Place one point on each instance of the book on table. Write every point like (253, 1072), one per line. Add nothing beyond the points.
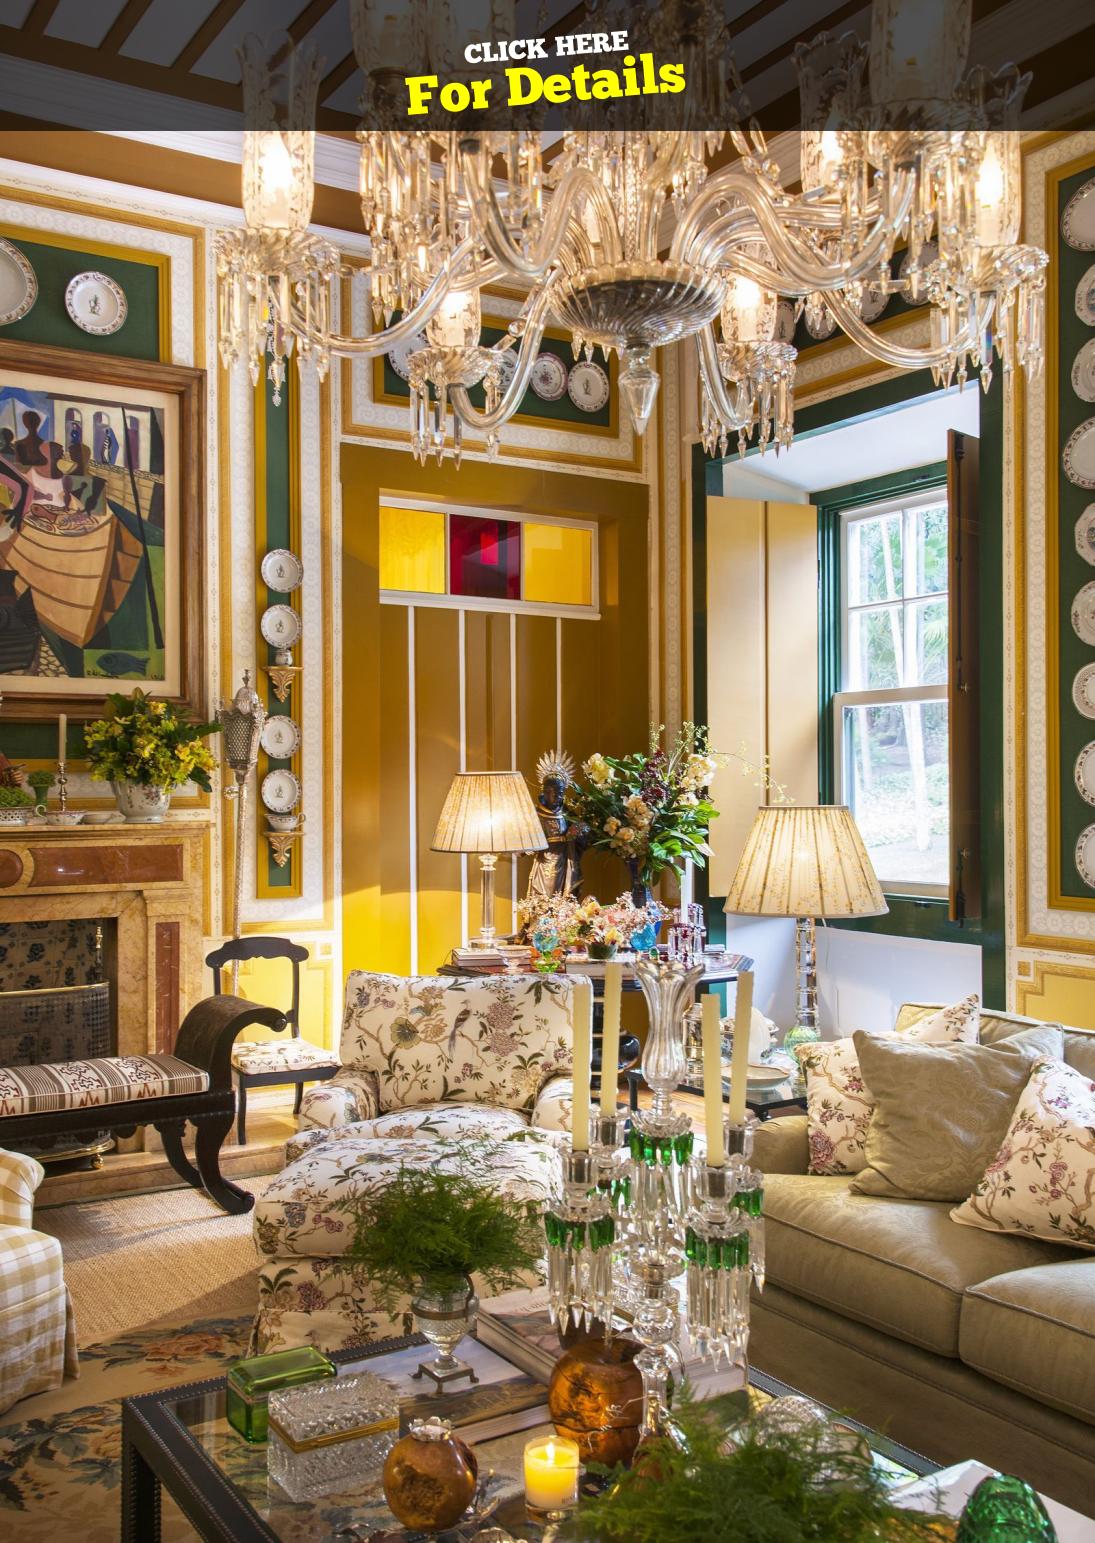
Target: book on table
(482, 1412)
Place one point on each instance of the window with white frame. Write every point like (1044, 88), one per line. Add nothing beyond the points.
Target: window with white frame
(890, 728)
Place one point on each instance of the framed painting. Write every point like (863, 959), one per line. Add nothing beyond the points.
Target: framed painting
(101, 530)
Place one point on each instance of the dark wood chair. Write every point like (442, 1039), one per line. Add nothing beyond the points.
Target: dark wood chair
(272, 1063)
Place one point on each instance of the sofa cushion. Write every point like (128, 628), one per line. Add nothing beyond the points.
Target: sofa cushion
(995, 1026)
(431, 1122)
(1034, 1330)
(303, 1210)
(901, 1266)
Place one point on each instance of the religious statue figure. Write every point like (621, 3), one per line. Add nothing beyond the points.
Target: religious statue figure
(558, 871)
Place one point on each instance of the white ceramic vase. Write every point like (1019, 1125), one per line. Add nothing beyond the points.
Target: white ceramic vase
(141, 805)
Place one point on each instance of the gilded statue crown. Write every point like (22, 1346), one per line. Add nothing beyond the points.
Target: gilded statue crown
(556, 766)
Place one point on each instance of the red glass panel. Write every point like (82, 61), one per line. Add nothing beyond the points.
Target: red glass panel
(484, 557)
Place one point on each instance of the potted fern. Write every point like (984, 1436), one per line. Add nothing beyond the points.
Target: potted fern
(15, 800)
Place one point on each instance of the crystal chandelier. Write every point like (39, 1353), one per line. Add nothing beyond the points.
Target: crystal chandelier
(628, 239)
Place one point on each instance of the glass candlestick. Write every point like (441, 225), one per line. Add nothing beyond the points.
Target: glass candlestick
(748, 1196)
(717, 1247)
(580, 1232)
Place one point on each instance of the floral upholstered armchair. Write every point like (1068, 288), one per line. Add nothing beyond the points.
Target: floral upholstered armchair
(479, 1057)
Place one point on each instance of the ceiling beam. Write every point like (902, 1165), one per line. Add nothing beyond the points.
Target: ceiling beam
(199, 41)
(41, 14)
(123, 24)
(337, 77)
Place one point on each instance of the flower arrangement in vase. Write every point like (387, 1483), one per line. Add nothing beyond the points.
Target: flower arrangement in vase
(145, 748)
(563, 922)
(652, 808)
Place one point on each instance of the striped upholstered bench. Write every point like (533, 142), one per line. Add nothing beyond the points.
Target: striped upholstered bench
(119, 1093)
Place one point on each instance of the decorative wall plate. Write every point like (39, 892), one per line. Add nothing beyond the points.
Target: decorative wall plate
(18, 284)
(1085, 855)
(549, 377)
(587, 386)
(280, 791)
(785, 322)
(1078, 220)
(281, 570)
(875, 302)
(398, 356)
(507, 368)
(823, 328)
(280, 736)
(1084, 772)
(929, 253)
(1085, 535)
(1083, 372)
(1083, 614)
(1085, 297)
(1078, 456)
(96, 304)
(280, 626)
(1083, 691)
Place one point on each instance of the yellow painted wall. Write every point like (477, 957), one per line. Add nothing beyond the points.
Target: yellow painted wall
(403, 684)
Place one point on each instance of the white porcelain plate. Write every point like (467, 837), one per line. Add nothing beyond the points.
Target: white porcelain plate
(1085, 535)
(549, 377)
(96, 304)
(1083, 614)
(1084, 772)
(929, 253)
(1085, 297)
(280, 736)
(1078, 456)
(1085, 855)
(280, 791)
(823, 328)
(875, 302)
(18, 285)
(1083, 372)
(1078, 220)
(507, 368)
(281, 570)
(280, 626)
(587, 386)
(1083, 691)
(785, 322)
(760, 1076)
(399, 355)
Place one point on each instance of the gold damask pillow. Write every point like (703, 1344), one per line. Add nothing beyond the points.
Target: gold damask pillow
(941, 1111)
(838, 1103)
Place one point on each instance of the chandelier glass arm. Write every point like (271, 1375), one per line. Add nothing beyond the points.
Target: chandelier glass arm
(491, 225)
(733, 412)
(485, 422)
(880, 348)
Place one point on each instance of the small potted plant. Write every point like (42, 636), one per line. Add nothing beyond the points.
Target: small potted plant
(426, 1232)
(146, 748)
(16, 801)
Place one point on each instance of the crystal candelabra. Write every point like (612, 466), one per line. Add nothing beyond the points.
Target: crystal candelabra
(642, 1216)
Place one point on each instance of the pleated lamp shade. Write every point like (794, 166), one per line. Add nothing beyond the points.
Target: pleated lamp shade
(489, 812)
(805, 861)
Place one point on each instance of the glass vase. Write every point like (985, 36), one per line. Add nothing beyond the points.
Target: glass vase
(1004, 1509)
(668, 986)
(445, 1311)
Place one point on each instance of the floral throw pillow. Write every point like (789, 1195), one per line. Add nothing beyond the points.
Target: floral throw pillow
(1042, 1180)
(838, 1103)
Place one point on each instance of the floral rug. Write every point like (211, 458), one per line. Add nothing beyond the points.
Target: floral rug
(60, 1455)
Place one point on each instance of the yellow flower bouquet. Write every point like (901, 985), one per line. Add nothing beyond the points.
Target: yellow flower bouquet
(150, 743)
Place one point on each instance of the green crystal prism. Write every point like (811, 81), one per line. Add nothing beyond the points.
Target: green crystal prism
(1004, 1509)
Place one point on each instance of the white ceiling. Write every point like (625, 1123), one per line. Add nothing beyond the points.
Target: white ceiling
(914, 434)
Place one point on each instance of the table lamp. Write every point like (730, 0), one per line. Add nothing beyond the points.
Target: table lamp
(488, 813)
(805, 861)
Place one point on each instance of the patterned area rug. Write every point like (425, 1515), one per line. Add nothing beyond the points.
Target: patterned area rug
(60, 1458)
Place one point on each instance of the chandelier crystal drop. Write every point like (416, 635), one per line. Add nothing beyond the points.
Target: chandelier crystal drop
(635, 238)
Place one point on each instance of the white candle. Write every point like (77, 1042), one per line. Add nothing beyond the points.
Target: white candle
(712, 1081)
(62, 732)
(583, 1048)
(686, 888)
(551, 1473)
(610, 1036)
(739, 1065)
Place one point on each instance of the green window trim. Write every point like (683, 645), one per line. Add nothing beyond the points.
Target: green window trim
(914, 916)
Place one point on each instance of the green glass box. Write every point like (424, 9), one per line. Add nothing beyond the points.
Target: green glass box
(251, 1382)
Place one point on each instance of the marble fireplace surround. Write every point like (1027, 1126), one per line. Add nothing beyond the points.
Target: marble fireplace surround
(149, 880)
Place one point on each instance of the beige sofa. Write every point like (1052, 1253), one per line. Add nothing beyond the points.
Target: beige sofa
(959, 1343)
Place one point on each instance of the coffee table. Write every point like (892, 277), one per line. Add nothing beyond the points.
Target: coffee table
(179, 1439)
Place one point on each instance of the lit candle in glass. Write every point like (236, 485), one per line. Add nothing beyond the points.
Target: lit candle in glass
(739, 1064)
(610, 1036)
(62, 735)
(551, 1473)
(712, 1081)
(583, 1051)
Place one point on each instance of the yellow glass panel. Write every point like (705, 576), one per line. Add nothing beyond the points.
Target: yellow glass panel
(558, 564)
(412, 550)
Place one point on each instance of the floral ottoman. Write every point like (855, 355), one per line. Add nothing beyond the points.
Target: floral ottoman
(309, 1293)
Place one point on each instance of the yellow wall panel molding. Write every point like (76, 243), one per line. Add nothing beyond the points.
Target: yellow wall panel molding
(1059, 993)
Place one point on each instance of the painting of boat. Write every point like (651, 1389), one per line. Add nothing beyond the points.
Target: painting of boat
(78, 566)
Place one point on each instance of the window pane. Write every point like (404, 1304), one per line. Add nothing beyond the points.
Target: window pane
(558, 565)
(484, 557)
(929, 574)
(874, 559)
(926, 624)
(897, 785)
(412, 550)
(874, 644)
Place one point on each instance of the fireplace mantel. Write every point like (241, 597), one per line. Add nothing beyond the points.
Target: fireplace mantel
(149, 878)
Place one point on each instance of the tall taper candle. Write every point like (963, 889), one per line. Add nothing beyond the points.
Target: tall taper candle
(583, 1049)
(712, 1081)
(610, 1036)
(62, 735)
(739, 1064)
